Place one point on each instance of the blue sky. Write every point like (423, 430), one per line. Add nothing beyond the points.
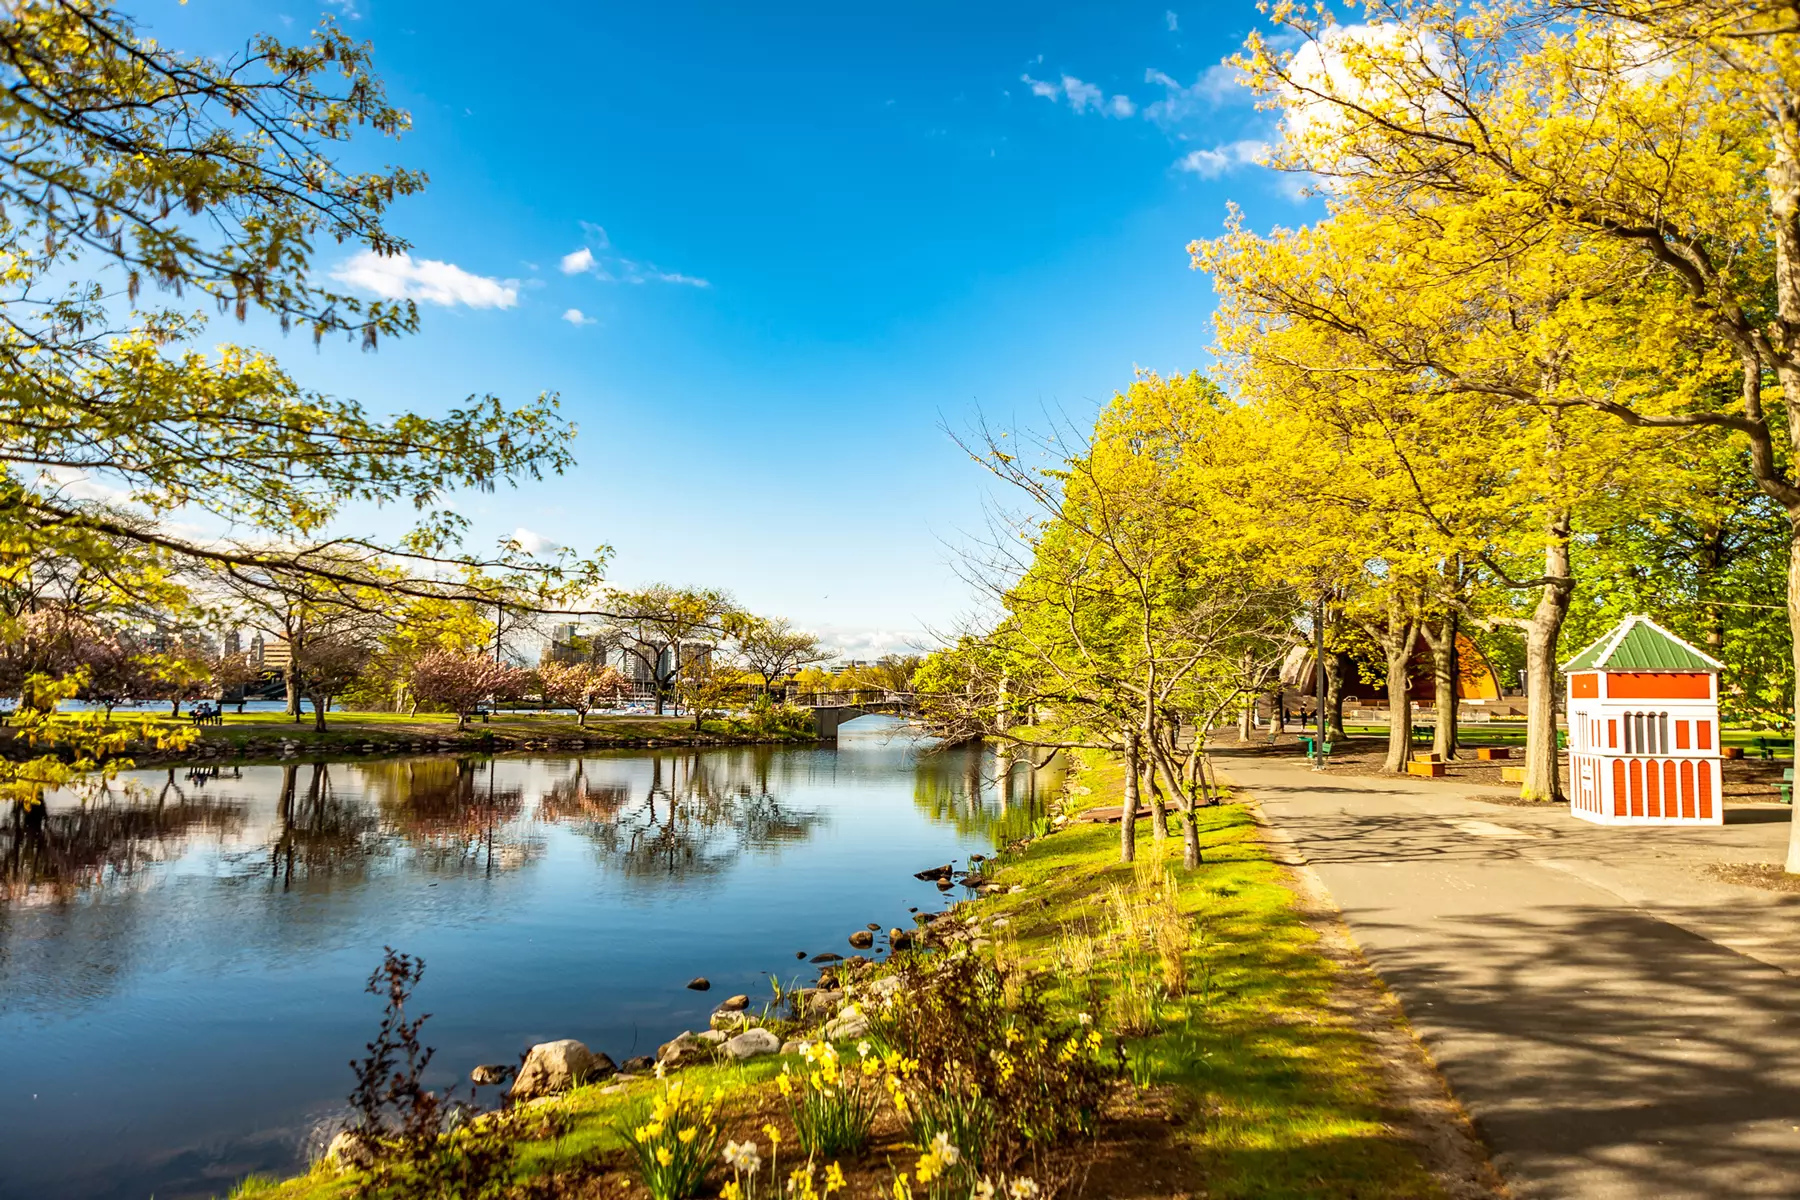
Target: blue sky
(801, 239)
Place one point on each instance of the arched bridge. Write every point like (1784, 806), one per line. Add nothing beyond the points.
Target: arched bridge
(831, 709)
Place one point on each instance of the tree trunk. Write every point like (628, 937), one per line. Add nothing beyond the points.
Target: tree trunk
(1542, 631)
(319, 706)
(292, 683)
(1159, 815)
(1793, 604)
(1335, 664)
(175, 707)
(581, 718)
(1128, 811)
(1399, 643)
(1190, 826)
(1444, 684)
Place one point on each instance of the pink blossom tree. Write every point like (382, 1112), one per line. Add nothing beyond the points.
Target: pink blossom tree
(460, 683)
(579, 686)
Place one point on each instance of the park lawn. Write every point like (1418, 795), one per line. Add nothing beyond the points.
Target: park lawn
(1273, 1094)
(1277, 1093)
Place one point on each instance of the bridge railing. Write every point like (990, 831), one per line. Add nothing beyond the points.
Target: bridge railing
(849, 699)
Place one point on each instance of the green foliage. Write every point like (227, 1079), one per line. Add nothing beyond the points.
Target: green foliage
(833, 1102)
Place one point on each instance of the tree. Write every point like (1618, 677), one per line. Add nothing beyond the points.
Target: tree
(772, 648)
(1660, 143)
(132, 171)
(579, 686)
(658, 627)
(461, 683)
(330, 664)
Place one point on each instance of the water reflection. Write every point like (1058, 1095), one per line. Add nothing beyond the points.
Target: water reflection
(668, 815)
(197, 939)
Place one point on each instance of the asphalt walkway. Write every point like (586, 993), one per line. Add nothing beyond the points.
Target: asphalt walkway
(1617, 1022)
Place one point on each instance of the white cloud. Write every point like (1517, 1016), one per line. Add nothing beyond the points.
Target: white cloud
(1210, 164)
(1082, 97)
(73, 484)
(401, 277)
(575, 316)
(1173, 20)
(615, 268)
(350, 8)
(533, 543)
(1358, 62)
(1214, 88)
(1080, 94)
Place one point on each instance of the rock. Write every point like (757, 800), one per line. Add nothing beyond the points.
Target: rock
(856, 962)
(793, 1047)
(913, 909)
(639, 1065)
(752, 1043)
(726, 1018)
(679, 1048)
(350, 1150)
(557, 1067)
(799, 954)
(490, 1074)
(862, 939)
(700, 984)
(885, 986)
(944, 884)
(899, 939)
(735, 1004)
(816, 999)
(1015, 889)
(827, 957)
(977, 858)
(851, 1024)
(711, 1037)
(935, 872)
(873, 927)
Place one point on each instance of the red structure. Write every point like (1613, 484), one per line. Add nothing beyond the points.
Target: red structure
(1644, 730)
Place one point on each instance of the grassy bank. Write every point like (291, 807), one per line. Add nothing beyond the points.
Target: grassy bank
(1242, 1083)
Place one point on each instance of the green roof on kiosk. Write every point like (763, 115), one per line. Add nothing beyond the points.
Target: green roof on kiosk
(1639, 644)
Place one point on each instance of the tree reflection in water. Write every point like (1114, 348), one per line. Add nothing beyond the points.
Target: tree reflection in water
(994, 797)
(56, 853)
(454, 814)
(693, 814)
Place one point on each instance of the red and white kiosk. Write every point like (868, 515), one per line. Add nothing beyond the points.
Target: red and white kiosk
(1644, 730)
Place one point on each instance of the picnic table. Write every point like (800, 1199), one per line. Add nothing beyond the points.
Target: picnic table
(1786, 786)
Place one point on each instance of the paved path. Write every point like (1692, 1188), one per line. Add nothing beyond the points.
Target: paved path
(1617, 1023)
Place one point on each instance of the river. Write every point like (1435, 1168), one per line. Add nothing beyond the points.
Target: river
(182, 961)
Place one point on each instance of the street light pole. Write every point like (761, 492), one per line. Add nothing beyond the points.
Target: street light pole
(1319, 680)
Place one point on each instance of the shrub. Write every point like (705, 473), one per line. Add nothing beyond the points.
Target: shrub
(993, 1069)
(423, 1146)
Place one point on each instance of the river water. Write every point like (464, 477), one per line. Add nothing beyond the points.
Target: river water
(182, 962)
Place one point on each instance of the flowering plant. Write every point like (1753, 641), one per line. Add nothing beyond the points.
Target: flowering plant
(675, 1139)
(833, 1103)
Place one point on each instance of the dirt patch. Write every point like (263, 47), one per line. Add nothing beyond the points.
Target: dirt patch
(1768, 876)
(1423, 1109)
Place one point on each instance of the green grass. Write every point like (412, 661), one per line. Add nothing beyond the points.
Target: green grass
(1277, 1090)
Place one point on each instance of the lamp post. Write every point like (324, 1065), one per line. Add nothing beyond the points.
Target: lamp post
(1319, 681)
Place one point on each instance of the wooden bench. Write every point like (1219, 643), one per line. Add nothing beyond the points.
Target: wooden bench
(1512, 774)
(1731, 752)
(1786, 786)
(1428, 768)
(1425, 756)
(1490, 753)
